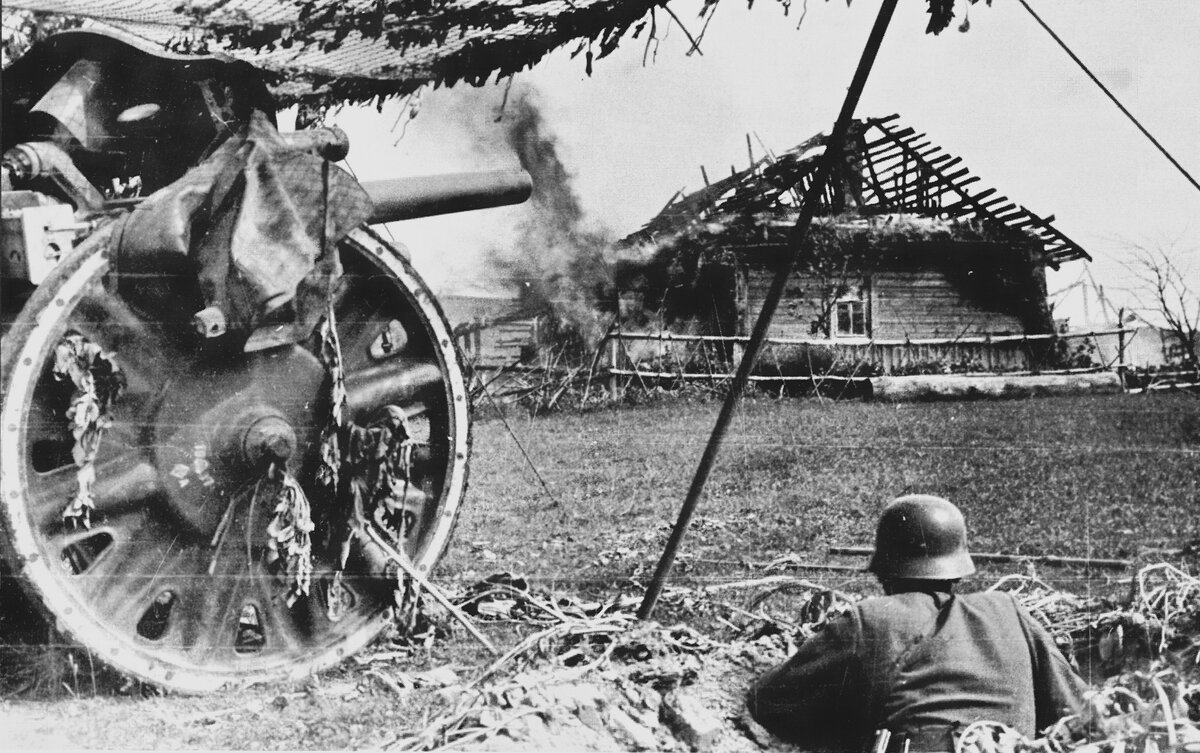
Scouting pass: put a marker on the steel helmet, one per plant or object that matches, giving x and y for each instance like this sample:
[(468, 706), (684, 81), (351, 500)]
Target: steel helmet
[(923, 537)]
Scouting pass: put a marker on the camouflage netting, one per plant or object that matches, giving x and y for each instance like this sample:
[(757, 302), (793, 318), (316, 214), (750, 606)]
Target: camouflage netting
[(361, 51), (327, 51)]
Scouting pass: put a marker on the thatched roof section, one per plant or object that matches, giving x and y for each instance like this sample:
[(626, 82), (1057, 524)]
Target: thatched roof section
[(888, 170)]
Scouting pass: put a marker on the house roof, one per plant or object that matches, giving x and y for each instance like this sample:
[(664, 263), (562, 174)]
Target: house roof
[(888, 168)]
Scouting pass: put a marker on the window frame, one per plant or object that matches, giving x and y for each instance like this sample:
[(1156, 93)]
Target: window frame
[(851, 302)]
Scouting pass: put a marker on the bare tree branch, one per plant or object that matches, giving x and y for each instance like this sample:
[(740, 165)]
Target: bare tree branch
[(1172, 297)]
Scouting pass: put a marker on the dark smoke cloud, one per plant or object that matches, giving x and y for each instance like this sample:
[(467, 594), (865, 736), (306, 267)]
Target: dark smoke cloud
[(557, 257)]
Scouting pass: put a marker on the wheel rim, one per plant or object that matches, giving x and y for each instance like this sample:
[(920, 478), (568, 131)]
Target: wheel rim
[(145, 588)]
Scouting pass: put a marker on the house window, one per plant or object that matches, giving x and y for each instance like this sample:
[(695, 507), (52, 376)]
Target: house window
[(851, 319)]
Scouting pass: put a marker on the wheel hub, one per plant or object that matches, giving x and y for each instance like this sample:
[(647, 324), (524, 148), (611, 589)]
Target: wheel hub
[(270, 439), (273, 413)]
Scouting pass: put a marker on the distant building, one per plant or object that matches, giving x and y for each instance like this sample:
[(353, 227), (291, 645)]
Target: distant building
[(1144, 345), (1137, 337), (493, 327)]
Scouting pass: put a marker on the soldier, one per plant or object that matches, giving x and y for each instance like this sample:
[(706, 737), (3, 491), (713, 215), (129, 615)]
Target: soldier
[(920, 662)]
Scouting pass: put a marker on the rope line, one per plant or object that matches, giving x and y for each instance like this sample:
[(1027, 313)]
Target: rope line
[(529, 461), (1110, 95)]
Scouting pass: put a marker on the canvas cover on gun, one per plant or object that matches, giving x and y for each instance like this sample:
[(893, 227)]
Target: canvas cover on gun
[(261, 223)]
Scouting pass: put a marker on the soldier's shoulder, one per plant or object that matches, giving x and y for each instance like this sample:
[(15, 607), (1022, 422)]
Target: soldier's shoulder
[(896, 606), (999, 607), (994, 599)]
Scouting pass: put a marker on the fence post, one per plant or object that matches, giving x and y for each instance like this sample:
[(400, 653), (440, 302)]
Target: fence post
[(614, 388), (1121, 347)]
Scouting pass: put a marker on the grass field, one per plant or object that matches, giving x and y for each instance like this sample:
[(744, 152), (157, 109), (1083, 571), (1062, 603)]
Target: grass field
[(1101, 476)]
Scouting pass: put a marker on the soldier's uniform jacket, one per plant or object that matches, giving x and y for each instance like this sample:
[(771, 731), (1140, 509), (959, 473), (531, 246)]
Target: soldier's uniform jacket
[(921, 665)]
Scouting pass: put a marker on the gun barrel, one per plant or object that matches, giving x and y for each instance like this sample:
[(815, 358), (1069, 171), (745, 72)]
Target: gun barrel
[(407, 198)]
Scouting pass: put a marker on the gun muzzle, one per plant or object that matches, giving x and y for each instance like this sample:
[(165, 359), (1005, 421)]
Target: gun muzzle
[(408, 198)]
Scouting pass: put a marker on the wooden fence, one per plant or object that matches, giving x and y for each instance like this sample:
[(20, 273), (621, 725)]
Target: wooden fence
[(658, 356)]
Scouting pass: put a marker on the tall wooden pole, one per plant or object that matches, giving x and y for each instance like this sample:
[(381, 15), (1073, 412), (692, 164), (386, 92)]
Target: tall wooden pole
[(834, 148)]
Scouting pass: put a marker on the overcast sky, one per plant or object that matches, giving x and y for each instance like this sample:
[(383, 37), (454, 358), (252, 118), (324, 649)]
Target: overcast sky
[(1002, 96)]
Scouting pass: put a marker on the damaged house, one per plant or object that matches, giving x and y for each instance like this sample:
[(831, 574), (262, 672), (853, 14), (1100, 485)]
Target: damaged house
[(910, 264)]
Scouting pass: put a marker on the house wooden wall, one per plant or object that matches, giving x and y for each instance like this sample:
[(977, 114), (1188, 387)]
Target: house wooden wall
[(926, 303), (940, 295)]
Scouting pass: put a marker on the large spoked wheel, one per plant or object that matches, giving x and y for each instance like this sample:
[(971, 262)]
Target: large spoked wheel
[(170, 583)]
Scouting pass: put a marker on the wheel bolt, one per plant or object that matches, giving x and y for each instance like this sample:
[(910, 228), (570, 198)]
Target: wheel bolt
[(209, 322)]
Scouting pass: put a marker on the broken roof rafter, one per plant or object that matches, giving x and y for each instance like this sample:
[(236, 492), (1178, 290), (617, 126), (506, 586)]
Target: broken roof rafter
[(1058, 247), (889, 168)]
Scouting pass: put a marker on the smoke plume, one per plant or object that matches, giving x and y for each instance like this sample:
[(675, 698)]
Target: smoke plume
[(557, 257)]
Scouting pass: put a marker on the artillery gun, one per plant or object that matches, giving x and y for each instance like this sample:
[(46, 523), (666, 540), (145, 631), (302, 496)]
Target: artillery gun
[(166, 494)]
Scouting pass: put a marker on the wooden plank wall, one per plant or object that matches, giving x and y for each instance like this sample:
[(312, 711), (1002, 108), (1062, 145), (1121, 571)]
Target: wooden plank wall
[(500, 344), (491, 339), (900, 303), (924, 303), (911, 303), (799, 307)]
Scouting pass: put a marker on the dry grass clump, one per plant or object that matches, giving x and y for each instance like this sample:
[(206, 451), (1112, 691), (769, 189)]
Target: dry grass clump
[(1148, 648), (1160, 621), (36, 661), (1150, 700)]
